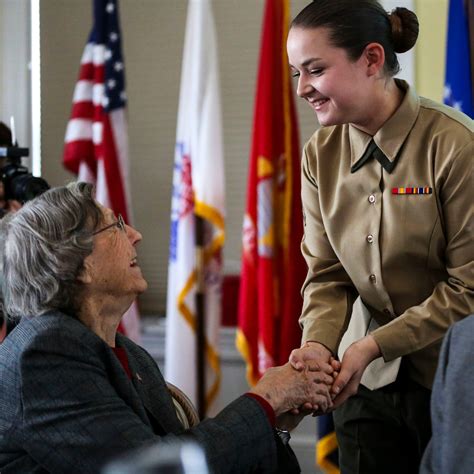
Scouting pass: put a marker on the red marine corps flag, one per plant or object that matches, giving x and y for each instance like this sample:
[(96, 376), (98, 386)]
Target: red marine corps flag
[(273, 269), (96, 147)]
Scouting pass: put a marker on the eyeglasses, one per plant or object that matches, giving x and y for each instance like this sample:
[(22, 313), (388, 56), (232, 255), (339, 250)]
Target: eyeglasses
[(120, 224)]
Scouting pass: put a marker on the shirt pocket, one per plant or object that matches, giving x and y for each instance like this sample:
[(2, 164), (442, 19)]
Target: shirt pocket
[(413, 222)]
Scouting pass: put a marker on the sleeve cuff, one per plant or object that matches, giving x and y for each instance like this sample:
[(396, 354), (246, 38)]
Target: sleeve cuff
[(394, 340), (266, 406)]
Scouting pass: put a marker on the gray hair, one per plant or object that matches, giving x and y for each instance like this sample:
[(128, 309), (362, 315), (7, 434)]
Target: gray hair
[(44, 246)]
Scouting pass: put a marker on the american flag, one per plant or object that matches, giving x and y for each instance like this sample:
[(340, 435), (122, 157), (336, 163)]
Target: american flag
[(96, 142)]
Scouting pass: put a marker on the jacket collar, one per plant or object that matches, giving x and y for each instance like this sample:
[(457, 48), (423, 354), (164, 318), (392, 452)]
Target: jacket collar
[(151, 388), (393, 133)]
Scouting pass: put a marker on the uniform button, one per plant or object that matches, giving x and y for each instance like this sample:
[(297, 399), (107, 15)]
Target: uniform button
[(373, 279), (371, 199), (370, 239)]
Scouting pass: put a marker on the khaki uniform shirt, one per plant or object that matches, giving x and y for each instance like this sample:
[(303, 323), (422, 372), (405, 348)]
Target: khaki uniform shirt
[(409, 256)]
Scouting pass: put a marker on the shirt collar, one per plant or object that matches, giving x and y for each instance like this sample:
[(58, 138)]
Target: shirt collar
[(393, 133)]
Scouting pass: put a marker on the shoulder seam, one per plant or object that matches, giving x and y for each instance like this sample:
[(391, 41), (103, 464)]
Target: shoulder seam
[(426, 106)]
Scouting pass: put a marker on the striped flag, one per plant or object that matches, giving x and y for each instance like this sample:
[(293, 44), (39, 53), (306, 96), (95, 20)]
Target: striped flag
[(459, 81), (96, 142), (273, 269), (198, 190)]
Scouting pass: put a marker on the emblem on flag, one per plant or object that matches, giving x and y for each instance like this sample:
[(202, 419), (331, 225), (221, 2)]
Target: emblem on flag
[(182, 200)]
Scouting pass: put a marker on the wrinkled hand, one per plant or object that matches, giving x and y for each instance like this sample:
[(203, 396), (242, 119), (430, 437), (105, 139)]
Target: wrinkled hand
[(312, 356), (285, 389), (355, 360)]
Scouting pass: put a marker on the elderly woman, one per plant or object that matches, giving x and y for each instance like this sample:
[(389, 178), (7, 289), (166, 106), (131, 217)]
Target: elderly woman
[(74, 392)]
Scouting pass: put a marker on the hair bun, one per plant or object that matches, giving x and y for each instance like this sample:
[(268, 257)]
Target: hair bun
[(405, 29)]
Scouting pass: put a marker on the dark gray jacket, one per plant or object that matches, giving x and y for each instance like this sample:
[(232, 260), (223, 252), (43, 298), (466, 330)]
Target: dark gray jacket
[(67, 406)]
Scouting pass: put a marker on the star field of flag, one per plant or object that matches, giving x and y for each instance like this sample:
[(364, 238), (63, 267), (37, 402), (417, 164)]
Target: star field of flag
[(106, 31)]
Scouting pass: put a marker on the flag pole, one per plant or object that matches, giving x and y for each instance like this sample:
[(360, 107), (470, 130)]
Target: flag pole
[(200, 319)]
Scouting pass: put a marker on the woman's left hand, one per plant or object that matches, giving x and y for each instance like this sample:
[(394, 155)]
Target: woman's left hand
[(356, 359)]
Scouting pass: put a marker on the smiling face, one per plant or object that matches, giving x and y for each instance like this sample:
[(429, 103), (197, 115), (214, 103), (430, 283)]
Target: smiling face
[(338, 89), (111, 269)]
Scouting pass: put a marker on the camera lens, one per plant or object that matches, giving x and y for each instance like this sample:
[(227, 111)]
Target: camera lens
[(26, 187), (20, 184)]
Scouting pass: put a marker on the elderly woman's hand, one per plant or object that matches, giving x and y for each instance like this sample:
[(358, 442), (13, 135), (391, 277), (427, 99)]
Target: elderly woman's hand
[(285, 389), (313, 356)]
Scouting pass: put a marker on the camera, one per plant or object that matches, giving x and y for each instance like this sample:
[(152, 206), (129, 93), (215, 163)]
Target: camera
[(18, 183)]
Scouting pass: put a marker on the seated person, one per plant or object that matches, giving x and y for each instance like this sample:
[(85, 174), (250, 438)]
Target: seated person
[(74, 392), (451, 449), (5, 206)]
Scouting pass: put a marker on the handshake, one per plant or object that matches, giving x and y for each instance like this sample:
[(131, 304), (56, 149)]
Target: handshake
[(313, 381), (295, 392)]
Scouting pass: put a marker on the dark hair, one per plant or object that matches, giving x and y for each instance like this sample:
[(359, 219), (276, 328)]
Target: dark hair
[(353, 24), (5, 135)]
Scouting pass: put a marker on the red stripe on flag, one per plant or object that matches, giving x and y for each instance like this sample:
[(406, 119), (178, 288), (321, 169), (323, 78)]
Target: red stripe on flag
[(86, 72), (99, 74), (112, 170), (77, 151), (82, 110), (92, 72)]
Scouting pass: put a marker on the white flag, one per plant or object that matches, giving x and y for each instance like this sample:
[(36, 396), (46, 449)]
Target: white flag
[(198, 188)]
